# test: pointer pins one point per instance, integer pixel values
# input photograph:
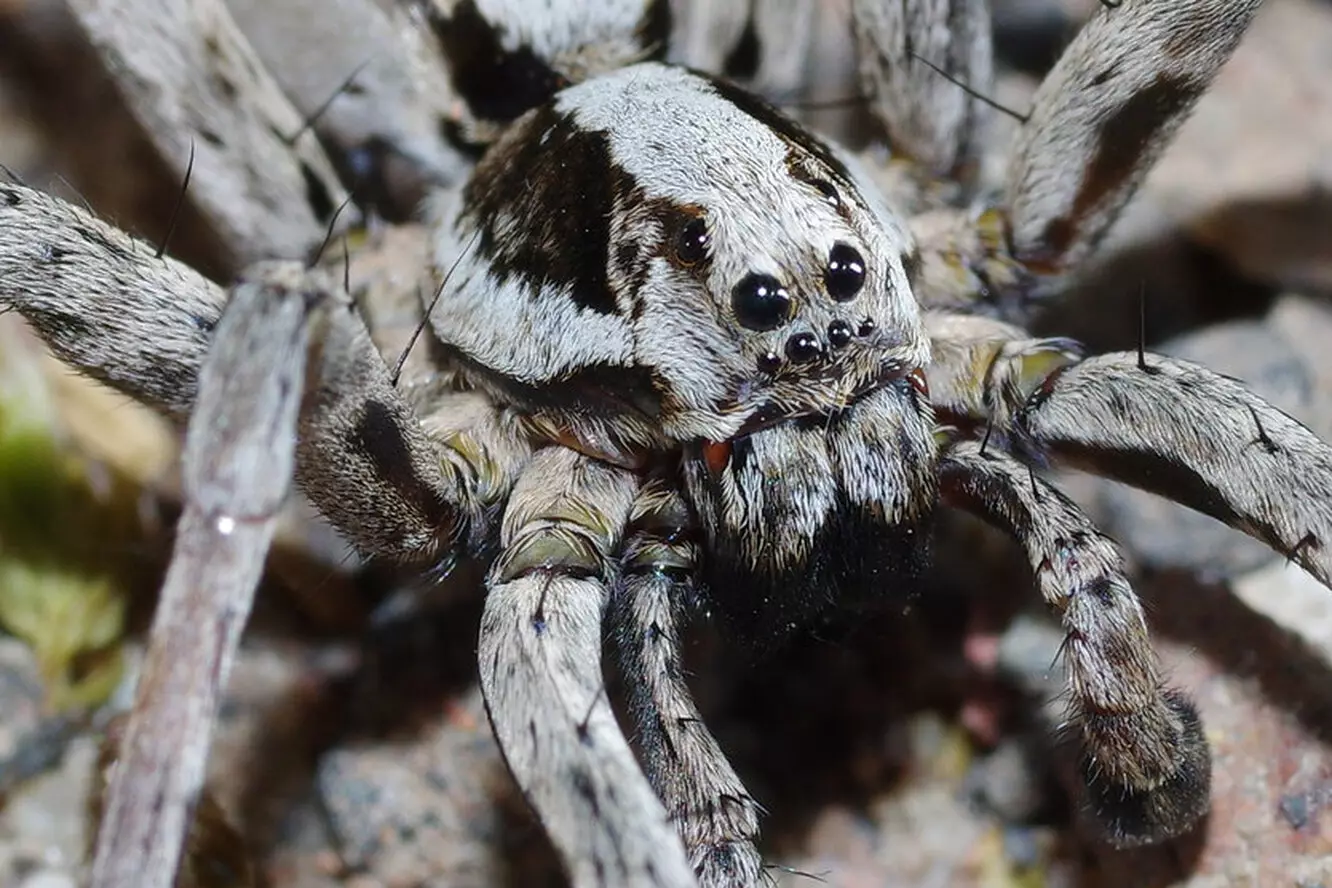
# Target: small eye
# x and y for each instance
(839, 334)
(691, 244)
(760, 302)
(845, 274)
(829, 193)
(803, 348)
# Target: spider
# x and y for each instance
(686, 356)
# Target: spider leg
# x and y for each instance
(713, 812)
(924, 63)
(106, 305)
(238, 461)
(983, 369)
(70, 274)
(1146, 760)
(1105, 113)
(540, 661)
(1189, 434)
(1098, 123)
(1167, 426)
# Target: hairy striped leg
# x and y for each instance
(1194, 436)
(1105, 113)
(714, 814)
(1098, 122)
(541, 673)
(1166, 426)
(913, 54)
(1145, 758)
(108, 306)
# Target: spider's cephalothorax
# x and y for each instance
(666, 296)
(685, 350)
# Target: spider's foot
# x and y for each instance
(1130, 815)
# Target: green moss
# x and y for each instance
(60, 542)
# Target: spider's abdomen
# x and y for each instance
(817, 512)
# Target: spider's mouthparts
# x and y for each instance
(776, 412)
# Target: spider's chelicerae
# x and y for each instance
(684, 356)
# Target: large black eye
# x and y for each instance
(760, 302)
(691, 243)
(845, 274)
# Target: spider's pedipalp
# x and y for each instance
(1194, 436)
(923, 64)
(240, 452)
(1145, 758)
(540, 659)
(1105, 113)
(712, 810)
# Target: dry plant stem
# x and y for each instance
(239, 459)
(195, 85)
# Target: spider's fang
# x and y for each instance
(717, 454)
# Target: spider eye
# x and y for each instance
(760, 302)
(829, 192)
(691, 244)
(803, 348)
(845, 274)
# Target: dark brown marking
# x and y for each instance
(1121, 145)
(596, 388)
(557, 179)
(378, 435)
(911, 263)
(497, 84)
(654, 29)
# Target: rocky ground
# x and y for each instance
(919, 748)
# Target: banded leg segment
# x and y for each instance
(1184, 432)
(1146, 760)
(541, 673)
(713, 812)
(109, 307)
(1105, 113)
(913, 54)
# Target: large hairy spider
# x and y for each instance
(685, 356)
